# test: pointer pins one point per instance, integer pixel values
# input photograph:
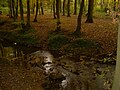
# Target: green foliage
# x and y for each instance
(57, 41)
(4, 10)
(83, 43)
(21, 38)
(18, 26)
(2, 22)
(82, 46)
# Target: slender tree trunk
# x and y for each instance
(64, 1)
(21, 10)
(78, 28)
(2, 49)
(10, 7)
(35, 20)
(28, 14)
(90, 12)
(41, 6)
(33, 6)
(58, 16)
(75, 7)
(116, 82)
(60, 2)
(114, 6)
(13, 10)
(54, 13)
(101, 4)
(68, 8)
(16, 9)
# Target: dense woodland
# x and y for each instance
(85, 31)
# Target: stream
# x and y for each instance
(63, 73)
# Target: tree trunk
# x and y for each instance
(78, 28)
(33, 6)
(75, 7)
(10, 7)
(64, 1)
(28, 14)
(21, 10)
(54, 13)
(68, 8)
(116, 82)
(13, 10)
(58, 16)
(90, 12)
(35, 20)
(114, 6)
(101, 4)
(16, 9)
(41, 6)
(2, 49)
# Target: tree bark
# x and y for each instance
(75, 7)
(13, 10)
(35, 20)
(41, 6)
(28, 14)
(21, 10)
(10, 7)
(116, 82)
(114, 6)
(16, 9)
(58, 16)
(64, 1)
(54, 12)
(90, 12)
(68, 8)
(78, 28)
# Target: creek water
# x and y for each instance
(91, 73)
(12, 50)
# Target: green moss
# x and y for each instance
(82, 46)
(57, 41)
(83, 43)
(25, 38)
(2, 22)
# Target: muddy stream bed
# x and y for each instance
(62, 73)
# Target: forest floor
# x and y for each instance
(103, 30)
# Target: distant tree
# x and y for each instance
(101, 4)
(35, 20)
(64, 1)
(41, 6)
(21, 11)
(60, 6)
(10, 8)
(28, 14)
(54, 11)
(58, 16)
(90, 12)
(75, 7)
(68, 8)
(16, 7)
(114, 6)
(33, 6)
(13, 10)
(116, 82)
(78, 28)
